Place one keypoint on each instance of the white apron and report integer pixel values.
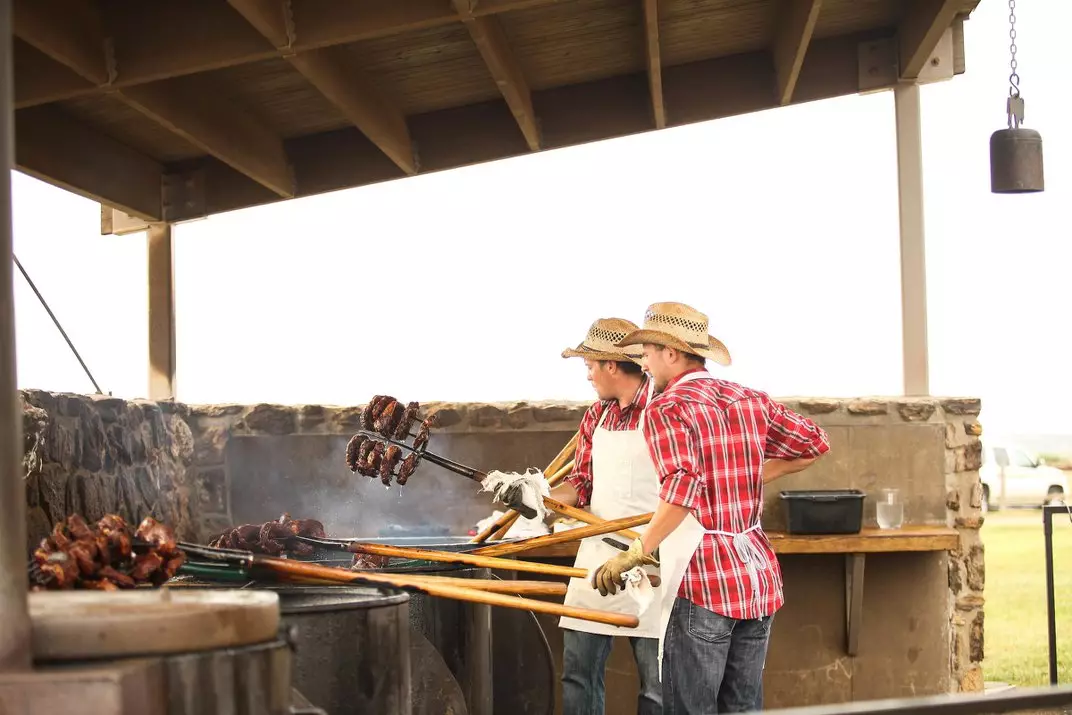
(677, 549)
(624, 483)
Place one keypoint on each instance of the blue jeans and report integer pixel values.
(584, 661)
(712, 664)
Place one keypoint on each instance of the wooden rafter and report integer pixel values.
(924, 23)
(54, 147)
(68, 32)
(791, 44)
(491, 41)
(167, 52)
(196, 112)
(354, 95)
(655, 64)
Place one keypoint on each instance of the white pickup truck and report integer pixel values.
(1029, 482)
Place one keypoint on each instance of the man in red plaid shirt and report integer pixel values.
(715, 444)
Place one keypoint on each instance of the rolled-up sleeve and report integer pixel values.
(793, 436)
(672, 445)
(581, 476)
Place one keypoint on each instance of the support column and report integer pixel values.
(161, 313)
(913, 253)
(14, 619)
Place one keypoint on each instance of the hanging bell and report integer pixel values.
(1016, 161)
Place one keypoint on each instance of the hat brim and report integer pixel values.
(715, 349)
(583, 352)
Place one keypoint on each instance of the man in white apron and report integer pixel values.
(614, 476)
(721, 582)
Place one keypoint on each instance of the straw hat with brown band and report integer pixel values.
(681, 327)
(601, 341)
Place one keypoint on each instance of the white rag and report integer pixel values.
(534, 488)
(639, 588)
(521, 529)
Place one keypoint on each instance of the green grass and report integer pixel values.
(1015, 645)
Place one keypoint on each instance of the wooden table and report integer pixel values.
(855, 548)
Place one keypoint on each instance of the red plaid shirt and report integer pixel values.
(618, 419)
(708, 439)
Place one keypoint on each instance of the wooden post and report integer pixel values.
(161, 313)
(14, 618)
(913, 254)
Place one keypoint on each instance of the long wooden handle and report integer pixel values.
(586, 516)
(504, 522)
(471, 559)
(507, 520)
(491, 585)
(561, 537)
(428, 585)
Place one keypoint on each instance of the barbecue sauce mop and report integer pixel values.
(534, 488)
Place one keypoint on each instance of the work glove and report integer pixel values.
(512, 497)
(608, 577)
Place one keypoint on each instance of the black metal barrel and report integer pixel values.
(352, 648)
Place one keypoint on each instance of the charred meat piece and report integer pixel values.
(407, 468)
(159, 535)
(145, 565)
(372, 411)
(362, 457)
(372, 462)
(173, 564)
(352, 448)
(119, 579)
(246, 537)
(77, 528)
(391, 456)
(84, 552)
(274, 537)
(58, 539)
(365, 562)
(408, 418)
(421, 440)
(388, 420)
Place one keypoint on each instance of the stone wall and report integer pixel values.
(184, 465)
(93, 455)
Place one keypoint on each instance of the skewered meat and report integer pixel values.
(352, 449)
(274, 537)
(304, 527)
(408, 418)
(372, 464)
(102, 557)
(390, 459)
(408, 467)
(364, 562)
(388, 421)
(373, 410)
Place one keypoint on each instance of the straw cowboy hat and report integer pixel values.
(600, 343)
(681, 327)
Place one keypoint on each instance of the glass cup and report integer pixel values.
(889, 511)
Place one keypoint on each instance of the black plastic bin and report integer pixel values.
(824, 511)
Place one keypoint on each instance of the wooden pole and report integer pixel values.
(470, 559)
(14, 618)
(562, 537)
(161, 313)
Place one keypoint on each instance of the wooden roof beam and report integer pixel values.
(194, 111)
(791, 44)
(227, 41)
(67, 31)
(655, 64)
(492, 44)
(354, 96)
(924, 23)
(54, 147)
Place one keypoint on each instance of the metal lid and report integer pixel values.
(319, 599)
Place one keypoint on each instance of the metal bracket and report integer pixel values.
(184, 195)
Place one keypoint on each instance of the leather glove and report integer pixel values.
(608, 577)
(512, 497)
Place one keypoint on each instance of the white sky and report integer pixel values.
(782, 226)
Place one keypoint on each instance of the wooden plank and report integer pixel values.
(344, 87)
(225, 40)
(53, 147)
(868, 541)
(161, 313)
(655, 65)
(199, 114)
(68, 31)
(919, 32)
(490, 40)
(791, 43)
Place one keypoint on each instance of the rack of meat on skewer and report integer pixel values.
(110, 556)
(379, 448)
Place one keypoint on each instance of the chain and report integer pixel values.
(1014, 78)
